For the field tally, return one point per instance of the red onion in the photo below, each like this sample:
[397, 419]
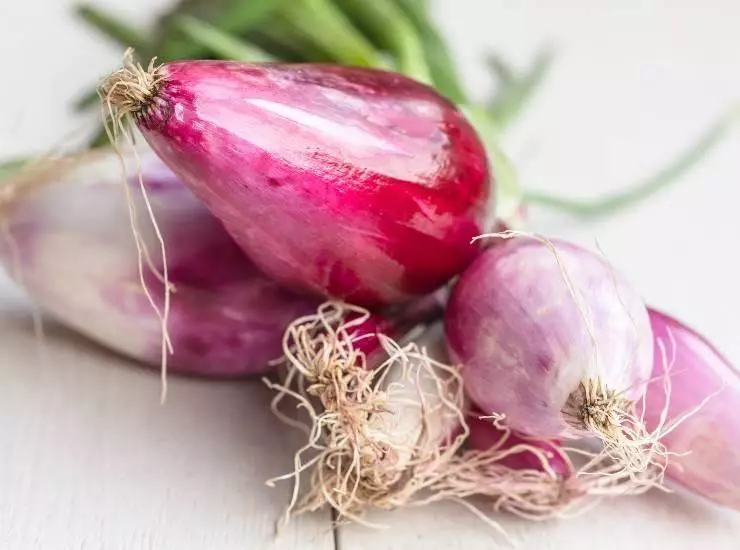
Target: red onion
[70, 245]
[356, 184]
[704, 397]
[550, 336]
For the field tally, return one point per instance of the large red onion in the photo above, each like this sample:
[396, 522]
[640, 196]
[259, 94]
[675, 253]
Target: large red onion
[704, 397]
[352, 183]
[552, 337]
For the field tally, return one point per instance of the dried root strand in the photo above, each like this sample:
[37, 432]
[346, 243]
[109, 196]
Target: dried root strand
[357, 461]
[128, 92]
[540, 493]
[360, 462]
[132, 88]
[597, 409]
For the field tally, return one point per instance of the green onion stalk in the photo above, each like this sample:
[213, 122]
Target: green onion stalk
[399, 35]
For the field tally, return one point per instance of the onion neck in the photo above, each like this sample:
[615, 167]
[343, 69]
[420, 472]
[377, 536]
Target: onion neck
[131, 89]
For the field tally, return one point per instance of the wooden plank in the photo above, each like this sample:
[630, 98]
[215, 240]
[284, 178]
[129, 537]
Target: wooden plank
[648, 522]
[90, 460]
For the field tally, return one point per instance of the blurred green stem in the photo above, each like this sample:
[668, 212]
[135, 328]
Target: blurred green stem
[508, 191]
[112, 27]
[220, 43]
[637, 193]
[388, 26]
[10, 168]
[515, 90]
[443, 69]
[325, 25]
[235, 17]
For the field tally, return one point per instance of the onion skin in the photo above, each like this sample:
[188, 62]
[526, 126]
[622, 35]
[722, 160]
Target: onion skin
[78, 260]
[513, 325]
[710, 437]
[350, 183]
[484, 436]
[411, 421]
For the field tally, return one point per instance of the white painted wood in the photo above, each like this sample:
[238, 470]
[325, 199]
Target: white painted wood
[91, 460]
[651, 522]
[88, 458]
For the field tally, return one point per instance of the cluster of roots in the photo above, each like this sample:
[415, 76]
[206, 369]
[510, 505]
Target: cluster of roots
[354, 462]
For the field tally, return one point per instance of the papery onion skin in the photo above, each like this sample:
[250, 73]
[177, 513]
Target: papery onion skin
[76, 257]
[523, 343]
[351, 183]
[711, 465]
[484, 436]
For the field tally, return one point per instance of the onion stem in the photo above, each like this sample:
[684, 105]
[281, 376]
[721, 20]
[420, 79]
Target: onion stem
[112, 27]
[516, 90]
[325, 25]
[385, 23]
[220, 43]
[438, 58]
[281, 41]
[637, 193]
[231, 16]
[10, 168]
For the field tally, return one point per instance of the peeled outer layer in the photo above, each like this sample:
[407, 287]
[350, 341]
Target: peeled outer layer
[420, 413]
[70, 245]
[524, 344]
[706, 443]
[351, 183]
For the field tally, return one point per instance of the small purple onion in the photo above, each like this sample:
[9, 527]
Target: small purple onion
[550, 336]
[72, 248]
[706, 441]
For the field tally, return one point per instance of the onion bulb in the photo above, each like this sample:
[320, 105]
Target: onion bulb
[700, 407]
[354, 184]
[553, 338]
[68, 242]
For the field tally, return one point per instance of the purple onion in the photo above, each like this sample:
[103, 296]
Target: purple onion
[71, 247]
[552, 337]
[704, 398]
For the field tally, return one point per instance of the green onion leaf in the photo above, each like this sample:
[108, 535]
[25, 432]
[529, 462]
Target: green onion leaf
[438, 57]
[112, 27]
[220, 43]
[324, 24]
[637, 193]
[231, 16]
[516, 91]
[386, 24]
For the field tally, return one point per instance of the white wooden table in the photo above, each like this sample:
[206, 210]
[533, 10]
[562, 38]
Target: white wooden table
[90, 460]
